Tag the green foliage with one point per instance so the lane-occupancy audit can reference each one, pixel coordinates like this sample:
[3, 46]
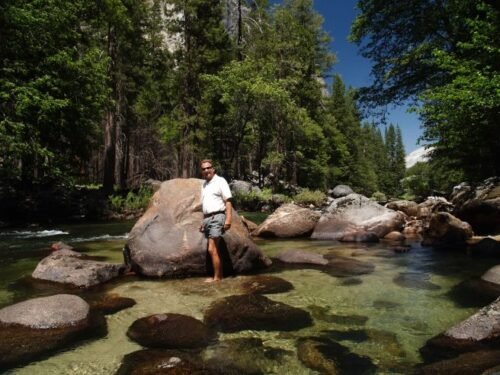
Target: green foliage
[429, 178]
[446, 56]
[133, 201]
[378, 196]
[307, 197]
[52, 88]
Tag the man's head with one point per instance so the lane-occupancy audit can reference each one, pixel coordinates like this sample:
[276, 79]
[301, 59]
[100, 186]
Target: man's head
[207, 169]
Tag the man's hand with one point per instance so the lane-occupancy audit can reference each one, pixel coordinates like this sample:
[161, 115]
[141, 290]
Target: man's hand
[202, 229]
[227, 226]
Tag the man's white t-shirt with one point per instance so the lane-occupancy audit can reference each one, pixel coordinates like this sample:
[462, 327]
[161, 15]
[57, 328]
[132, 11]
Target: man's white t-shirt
[214, 193]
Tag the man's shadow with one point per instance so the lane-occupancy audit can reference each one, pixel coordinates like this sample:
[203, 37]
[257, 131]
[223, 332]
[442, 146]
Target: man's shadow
[225, 259]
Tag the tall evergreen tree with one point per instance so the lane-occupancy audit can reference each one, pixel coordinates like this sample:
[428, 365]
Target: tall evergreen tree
[445, 54]
[202, 47]
[52, 89]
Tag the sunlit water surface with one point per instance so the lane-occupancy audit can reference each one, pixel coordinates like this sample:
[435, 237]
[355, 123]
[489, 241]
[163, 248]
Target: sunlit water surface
[404, 302]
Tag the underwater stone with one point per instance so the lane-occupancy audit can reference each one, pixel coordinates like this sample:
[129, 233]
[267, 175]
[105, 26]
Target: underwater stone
[253, 311]
[329, 357]
[265, 285]
[170, 331]
[112, 303]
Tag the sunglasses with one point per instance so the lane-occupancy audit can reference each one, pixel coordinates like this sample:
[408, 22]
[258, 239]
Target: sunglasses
[206, 169]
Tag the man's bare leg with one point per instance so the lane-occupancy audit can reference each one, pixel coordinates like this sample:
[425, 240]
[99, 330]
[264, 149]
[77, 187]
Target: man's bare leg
[214, 255]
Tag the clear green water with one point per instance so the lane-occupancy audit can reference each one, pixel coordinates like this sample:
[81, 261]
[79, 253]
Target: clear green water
[397, 317]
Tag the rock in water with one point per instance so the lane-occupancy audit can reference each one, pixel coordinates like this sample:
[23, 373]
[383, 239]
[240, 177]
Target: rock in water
[253, 311]
[70, 267]
[166, 241]
[38, 326]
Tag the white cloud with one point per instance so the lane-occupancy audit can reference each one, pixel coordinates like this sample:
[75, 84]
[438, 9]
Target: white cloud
[420, 154]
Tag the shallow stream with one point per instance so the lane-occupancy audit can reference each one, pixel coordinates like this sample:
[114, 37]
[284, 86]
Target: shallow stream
[386, 315]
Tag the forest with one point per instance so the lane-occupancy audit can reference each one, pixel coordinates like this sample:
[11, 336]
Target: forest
[111, 93]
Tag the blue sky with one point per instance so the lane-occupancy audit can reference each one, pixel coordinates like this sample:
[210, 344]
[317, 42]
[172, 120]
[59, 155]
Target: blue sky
[353, 68]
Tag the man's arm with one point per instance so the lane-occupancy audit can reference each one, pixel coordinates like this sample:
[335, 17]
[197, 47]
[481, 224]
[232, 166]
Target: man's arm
[229, 214]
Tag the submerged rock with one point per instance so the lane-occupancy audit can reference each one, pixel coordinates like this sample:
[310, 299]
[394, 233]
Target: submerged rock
[265, 285]
[170, 331]
[288, 221]
[324, 314]
[171, 362]
[253, 311]
[329, 357]
[340, 266]
[41, 325]
[302, 257]
[166, 241]
[70, 267]
[112, 303]
[249, 355]
[415, 280]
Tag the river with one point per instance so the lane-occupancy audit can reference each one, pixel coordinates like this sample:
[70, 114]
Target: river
[386, 315]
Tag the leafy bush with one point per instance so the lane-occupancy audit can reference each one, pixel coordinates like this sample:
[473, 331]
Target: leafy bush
[307, 197]
[133, 201]
[378, 196]
[255, 200]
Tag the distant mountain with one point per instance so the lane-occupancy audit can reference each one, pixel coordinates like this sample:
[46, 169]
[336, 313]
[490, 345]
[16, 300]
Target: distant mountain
[420, 154]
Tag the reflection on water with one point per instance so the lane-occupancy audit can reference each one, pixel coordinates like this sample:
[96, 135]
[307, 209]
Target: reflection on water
[385, 315]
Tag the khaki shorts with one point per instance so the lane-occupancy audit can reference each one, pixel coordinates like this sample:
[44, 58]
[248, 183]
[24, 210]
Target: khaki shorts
[213, 226]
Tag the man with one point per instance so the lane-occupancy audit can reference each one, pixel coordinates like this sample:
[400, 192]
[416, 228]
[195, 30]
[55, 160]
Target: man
[217, 212]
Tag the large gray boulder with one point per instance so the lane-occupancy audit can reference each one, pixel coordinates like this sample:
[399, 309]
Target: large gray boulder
[41, 325]
[479, 331]
[479, 206]
[445, 231]
[70, 267]
[288, 221]
[166, 241]
[356, 213]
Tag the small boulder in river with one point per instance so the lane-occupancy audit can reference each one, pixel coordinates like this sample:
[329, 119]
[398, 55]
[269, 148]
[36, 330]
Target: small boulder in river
[41, 325]
[166, 241]
[354, 213]
[288, 221]
[445, 231]
[480, 331]
[171, 331]
[70, 267]
[255, 312]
